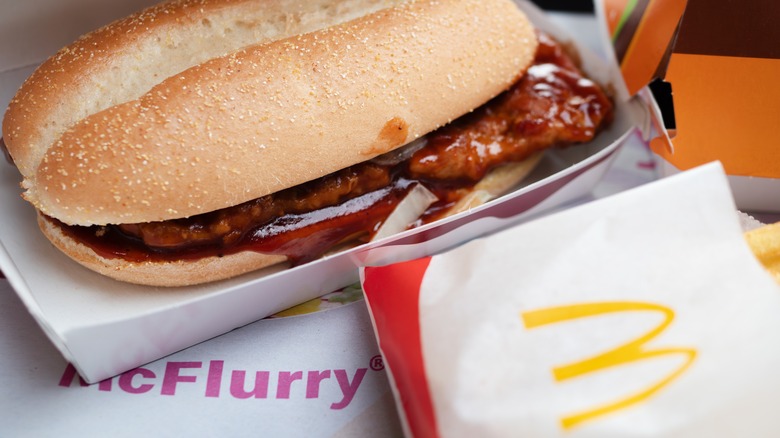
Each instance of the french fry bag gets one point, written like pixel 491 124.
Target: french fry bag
pixel 643 314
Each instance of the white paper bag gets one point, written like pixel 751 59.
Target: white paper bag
pixel 644 314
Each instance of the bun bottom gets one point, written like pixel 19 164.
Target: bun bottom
pixel 163 273
pixel 191 272
pixel 496 183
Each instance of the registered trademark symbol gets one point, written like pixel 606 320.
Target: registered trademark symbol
pixel 377 364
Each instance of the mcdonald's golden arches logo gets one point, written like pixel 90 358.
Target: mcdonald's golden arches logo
pixel 632 351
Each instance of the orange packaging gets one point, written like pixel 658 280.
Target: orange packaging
pixel 723 62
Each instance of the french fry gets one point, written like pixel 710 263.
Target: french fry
pixel 765 244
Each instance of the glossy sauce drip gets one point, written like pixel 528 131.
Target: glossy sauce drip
pixel 300 237
pixel 552 105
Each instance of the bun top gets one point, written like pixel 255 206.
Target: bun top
pixel 277 114
pixel 125 59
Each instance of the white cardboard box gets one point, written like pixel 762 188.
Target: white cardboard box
pixel 106 327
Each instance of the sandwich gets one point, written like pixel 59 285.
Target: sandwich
pixel 199 140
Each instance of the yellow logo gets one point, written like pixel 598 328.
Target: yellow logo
pixel 632 351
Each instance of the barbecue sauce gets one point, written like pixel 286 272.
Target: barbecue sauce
pixel 300 237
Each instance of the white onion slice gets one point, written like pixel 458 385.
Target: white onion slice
pixel 406 212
